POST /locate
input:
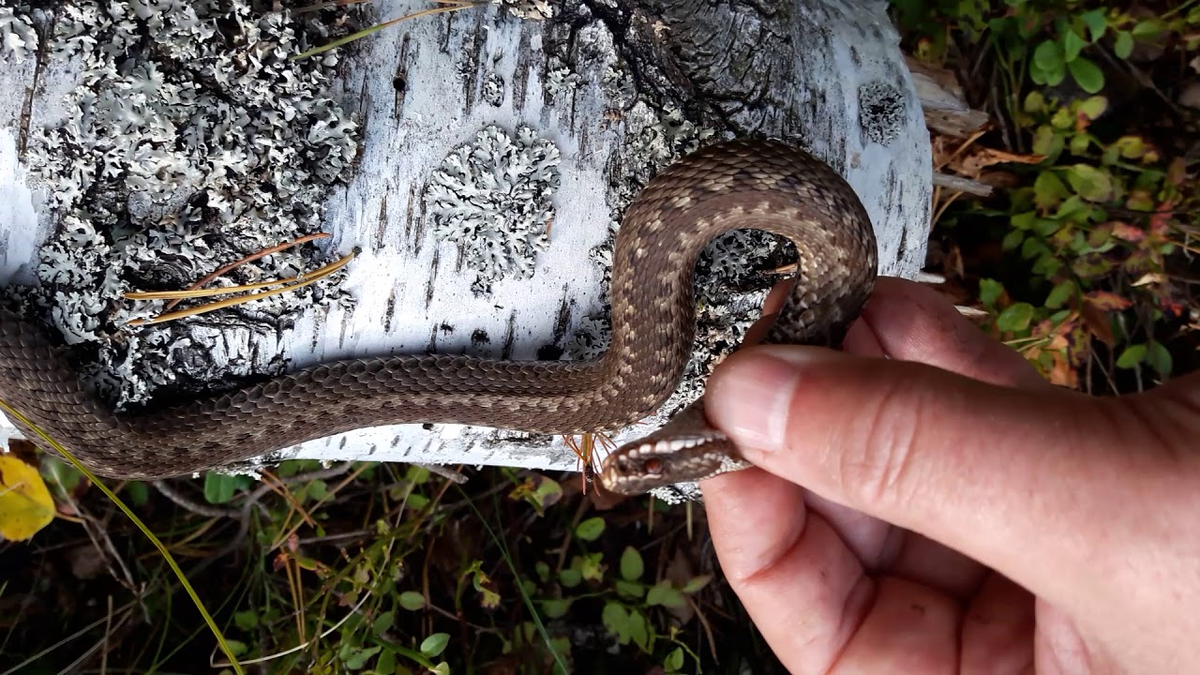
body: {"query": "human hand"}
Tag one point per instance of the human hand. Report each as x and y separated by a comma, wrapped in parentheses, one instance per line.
(961, 516)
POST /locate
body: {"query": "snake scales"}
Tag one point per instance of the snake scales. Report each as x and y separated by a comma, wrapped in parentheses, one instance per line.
(745, 184)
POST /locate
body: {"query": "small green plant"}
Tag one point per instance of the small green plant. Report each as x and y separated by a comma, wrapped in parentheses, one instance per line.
(627, 599)
(1096, 218)
(1096, 227)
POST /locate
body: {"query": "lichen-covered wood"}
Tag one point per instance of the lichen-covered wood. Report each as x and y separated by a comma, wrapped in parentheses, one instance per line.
(447, 113)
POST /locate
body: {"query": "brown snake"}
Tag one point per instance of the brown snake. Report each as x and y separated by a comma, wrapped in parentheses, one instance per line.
(747, 184)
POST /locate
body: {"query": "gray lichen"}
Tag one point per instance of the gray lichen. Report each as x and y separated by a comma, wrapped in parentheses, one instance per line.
(18, 39)
(492, 197)
(882, 111)
(532, 10)
(192, 142)
(492, 91)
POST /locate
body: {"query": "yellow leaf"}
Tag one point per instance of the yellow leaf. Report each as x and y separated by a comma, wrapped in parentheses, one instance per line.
(25, 503)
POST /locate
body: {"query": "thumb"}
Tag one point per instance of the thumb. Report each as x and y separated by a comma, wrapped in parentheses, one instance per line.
(1015, 478)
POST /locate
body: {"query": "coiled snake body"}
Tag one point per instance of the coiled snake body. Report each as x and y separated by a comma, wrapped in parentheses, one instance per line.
(748, 184)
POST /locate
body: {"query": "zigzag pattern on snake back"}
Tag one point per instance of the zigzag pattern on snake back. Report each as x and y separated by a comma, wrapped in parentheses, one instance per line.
(744, 184)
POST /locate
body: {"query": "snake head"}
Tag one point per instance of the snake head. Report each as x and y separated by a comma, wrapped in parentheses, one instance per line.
(686, 450)
(637, 468)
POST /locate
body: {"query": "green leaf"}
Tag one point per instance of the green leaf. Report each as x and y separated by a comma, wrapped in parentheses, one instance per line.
(1089, 182)
(1073, 44)
(219, 488)
(1046, 266)
(1035, 102)
(435, 644)
(555, 608)
(383, 622)
(138, 492)
(1087, 74)
(1016, 317)
(990, 291)
(1049, 78)
(442, 668)
(1060, 295)
(1045, 227)
(1049, 190)
(1133, 355)
(1096, 22)
(674, 661)
(412, 601)
(590, 529)
(639, 630)
(631, 564)
(1148, 29)
(1048, 55)
(1012, 240)
(696, 583)
(616, 619)
(1158, 358)
(1047, 141)
(663, 593)
(1080, 143)
(237, 647)
(417, 474)
(316, 490)
(355, 658)
(528, 586)
(1062, 119)
(1074, 210)
(570, 578)
(1023, 221)
(1093, 107)
(386, 663)
(1033, 248)
(629, 589)
(247, 620)
(1131, 147)
(591, 566)
(1123, 45)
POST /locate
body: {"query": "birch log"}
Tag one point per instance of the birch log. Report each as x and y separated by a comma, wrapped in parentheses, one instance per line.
(494, 150)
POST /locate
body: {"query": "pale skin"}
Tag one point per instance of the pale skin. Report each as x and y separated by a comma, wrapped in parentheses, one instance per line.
(948, 511)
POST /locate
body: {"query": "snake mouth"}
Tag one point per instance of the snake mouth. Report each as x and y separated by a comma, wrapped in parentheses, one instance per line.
(640, 467)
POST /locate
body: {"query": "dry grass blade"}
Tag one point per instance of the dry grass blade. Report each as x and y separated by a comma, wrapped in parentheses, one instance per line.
(447, 6)
(250, 258)
(292, 284)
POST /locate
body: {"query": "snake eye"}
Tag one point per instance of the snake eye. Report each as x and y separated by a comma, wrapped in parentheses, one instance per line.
(653, 466)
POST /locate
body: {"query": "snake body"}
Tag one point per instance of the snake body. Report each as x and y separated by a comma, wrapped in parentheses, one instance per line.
(744, 184)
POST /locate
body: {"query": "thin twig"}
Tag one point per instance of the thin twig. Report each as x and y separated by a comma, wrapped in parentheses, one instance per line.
(164, 488)
(445, 472)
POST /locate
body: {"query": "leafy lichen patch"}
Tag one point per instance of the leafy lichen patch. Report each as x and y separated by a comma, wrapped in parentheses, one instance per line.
(492, 196)
(190, 141)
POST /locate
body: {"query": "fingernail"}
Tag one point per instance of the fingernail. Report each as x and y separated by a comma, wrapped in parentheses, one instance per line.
(751, 397)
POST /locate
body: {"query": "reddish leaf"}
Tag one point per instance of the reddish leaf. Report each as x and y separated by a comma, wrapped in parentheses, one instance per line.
(1128, 232)
(1097, 323)
(1106, 301)
(1160, 223)
(1177, 172)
